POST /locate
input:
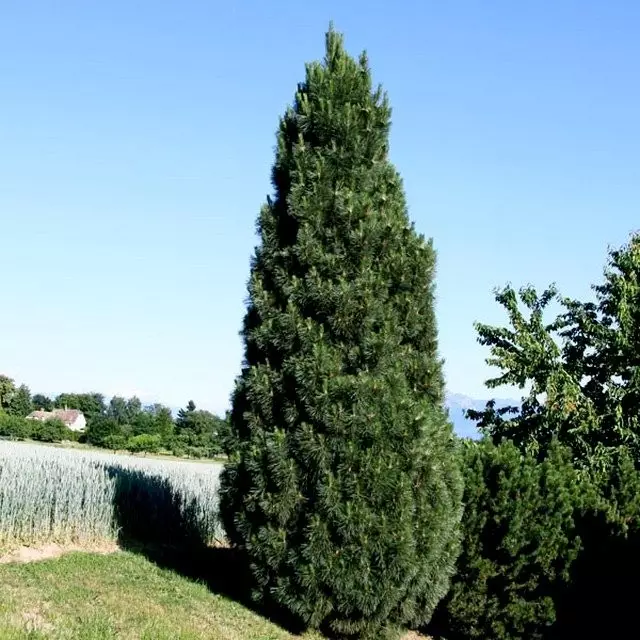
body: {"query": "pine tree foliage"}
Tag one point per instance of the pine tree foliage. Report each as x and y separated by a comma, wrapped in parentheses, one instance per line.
(609, 560)
(520, 541)
(342, 486)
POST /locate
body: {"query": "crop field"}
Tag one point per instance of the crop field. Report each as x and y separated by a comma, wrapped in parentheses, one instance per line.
(85, 497)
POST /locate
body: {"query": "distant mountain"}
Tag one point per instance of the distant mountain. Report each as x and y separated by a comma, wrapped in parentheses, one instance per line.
(458, 404)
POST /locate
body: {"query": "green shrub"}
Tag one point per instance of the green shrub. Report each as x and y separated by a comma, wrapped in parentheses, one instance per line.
(53, 430)
(342, 489)
(71, 436)
(178, 450)
(18, 428)
(115, 442)
(520, 540)
(14, 427)
(101, 429)
(144, 443)
(600, 602)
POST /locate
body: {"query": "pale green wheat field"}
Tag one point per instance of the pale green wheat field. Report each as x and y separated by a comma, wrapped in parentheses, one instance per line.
(80, 497)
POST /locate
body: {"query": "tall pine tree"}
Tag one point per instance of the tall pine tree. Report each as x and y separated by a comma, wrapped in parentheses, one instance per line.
(342, 486)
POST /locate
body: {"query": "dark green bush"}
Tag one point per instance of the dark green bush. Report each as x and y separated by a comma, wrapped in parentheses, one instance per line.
(115, 442)
(20, 428)
(14, 427)
(178, 450)
(197, 452)
(53, 430)
(520, 540)
(601, 601)
(101, 429)
(144, 443)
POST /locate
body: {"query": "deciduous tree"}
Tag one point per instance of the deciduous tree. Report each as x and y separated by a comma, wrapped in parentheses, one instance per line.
(582, 367)
(7, 390)
(41, 402)
(20, 404)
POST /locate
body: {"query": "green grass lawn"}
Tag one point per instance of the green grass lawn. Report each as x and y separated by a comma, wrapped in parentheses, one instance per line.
(122, 595)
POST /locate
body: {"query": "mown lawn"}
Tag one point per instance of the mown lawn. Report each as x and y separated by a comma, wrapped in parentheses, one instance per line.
(87, 596)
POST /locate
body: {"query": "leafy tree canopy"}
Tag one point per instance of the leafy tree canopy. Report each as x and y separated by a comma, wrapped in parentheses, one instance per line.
(21, 404)
(582, 367)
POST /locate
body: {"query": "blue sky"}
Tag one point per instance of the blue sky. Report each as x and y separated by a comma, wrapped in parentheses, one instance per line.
(136, 142)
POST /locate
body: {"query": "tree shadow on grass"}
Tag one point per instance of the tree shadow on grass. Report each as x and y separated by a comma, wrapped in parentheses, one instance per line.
(160, 524)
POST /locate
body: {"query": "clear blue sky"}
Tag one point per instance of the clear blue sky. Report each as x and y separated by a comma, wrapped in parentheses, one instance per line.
(136, 140)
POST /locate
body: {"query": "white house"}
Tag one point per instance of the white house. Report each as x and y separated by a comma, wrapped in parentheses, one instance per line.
(73, 418)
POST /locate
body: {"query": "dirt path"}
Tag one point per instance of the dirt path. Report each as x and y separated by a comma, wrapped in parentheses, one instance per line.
(48, 551)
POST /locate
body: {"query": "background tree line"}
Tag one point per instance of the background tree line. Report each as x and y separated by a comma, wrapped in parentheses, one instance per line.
(119, 424)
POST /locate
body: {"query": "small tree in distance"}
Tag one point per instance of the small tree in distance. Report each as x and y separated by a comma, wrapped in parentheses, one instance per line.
(41, 402)
(21, 404)
(7, 391)
(342, 487)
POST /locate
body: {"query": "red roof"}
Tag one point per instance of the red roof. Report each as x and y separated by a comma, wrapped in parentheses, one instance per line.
(68, 416)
